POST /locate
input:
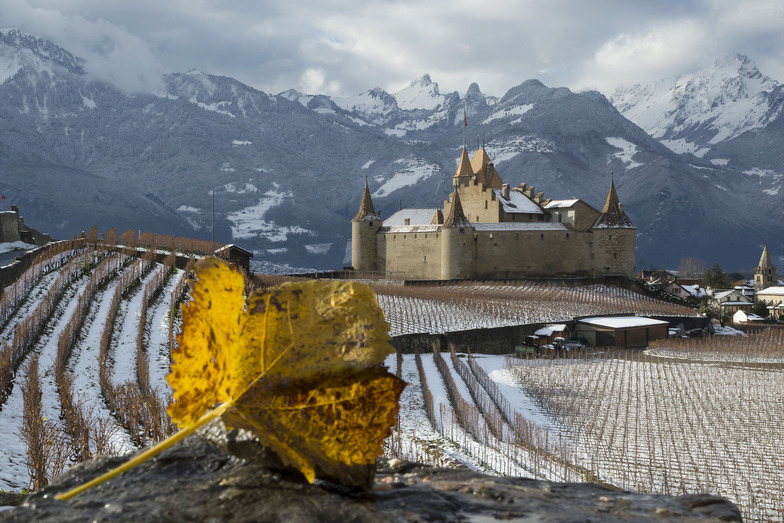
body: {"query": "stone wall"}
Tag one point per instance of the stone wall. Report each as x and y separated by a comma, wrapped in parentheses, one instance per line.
(614, 251)
(9, 226)
(414, 255)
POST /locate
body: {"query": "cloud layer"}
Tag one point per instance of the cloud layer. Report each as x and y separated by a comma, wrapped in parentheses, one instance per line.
(347, 47)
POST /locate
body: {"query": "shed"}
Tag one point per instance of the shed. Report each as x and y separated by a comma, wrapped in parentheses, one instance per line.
(235, 255)
(621, 331)
(550, 332)
(746, 317)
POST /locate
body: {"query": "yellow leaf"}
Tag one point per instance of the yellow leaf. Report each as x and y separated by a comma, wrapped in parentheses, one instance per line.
(301, 367)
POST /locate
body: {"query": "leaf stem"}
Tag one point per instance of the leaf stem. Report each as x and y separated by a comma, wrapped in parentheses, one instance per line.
(149, 453)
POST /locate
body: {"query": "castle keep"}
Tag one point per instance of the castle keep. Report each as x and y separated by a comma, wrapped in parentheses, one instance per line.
(488, 230)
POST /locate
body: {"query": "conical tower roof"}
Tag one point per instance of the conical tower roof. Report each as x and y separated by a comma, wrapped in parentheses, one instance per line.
(765, 260)
(484, 170)
(365, 206)
(464, 167)
(479, 165)
(612, 212)
(456, 217)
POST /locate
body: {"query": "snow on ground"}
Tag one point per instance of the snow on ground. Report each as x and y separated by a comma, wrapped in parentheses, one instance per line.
(123, 352)
(518, 399)
(15, 246)
(412, 170)
(158, 339)
(83, 363)
(36, 293)
(249, 222)
(13, 464)
(318, 248)
(501, 150)
(628, 150)
(514, 111)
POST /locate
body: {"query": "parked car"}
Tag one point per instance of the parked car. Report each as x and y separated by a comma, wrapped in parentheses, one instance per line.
(573, 345)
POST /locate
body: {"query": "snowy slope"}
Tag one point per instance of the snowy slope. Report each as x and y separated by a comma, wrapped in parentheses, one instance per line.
(700, 109)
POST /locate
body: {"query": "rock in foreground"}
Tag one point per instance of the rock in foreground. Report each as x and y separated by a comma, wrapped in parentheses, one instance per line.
(198, 481)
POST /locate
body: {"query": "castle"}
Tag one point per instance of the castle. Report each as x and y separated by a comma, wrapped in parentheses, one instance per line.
(488, 230)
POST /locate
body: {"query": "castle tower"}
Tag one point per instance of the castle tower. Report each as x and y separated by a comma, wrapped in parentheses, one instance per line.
(364, 228)
(614, 238)
(457, 243)
(464, 174)
(765, 274)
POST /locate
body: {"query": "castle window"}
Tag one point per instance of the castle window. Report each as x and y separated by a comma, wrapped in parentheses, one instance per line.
(461, 231)
(485, 204)
(517, 236)
(615, 256)
(567, 234)
(425, 257)
(541, 236)
(541, 217)
(477, 218)
(609, 237)
(491, 235)
(404, 236)
(370, 224)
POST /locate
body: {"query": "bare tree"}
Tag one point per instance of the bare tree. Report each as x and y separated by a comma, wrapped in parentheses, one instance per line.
(691, 267)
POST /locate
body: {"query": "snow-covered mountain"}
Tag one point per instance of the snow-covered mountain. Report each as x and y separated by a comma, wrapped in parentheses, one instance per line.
(724, 113)
(711, 106)
(287, 170)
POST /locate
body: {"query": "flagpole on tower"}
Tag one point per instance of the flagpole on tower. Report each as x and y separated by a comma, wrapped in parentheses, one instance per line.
(465, 125)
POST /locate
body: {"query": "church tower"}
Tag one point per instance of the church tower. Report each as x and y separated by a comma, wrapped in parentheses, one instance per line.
(765, 274)
(364, 228)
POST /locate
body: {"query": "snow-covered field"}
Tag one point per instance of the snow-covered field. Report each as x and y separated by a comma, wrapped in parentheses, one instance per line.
(475, 305)
(83, 363)
(686, 417)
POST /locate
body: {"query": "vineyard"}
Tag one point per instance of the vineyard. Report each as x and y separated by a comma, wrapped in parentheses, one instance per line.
(87, 331)
(686, 416)
(480, 305)
(86, 338)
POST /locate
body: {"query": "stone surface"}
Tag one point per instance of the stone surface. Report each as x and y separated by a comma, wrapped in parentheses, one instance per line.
(203, 479)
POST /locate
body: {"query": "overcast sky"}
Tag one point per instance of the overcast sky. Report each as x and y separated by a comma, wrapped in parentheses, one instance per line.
(345, 47)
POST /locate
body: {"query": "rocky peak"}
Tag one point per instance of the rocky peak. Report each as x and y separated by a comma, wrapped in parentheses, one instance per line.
(41, 48)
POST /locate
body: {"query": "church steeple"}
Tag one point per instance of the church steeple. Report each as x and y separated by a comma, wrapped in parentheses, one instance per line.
(366, 206)
(765, 274)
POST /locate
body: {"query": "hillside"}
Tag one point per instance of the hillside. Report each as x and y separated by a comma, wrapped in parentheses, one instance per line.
(89, 327)
(287, 170)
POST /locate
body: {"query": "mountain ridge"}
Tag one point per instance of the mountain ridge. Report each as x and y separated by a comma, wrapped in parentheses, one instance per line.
(287, 170)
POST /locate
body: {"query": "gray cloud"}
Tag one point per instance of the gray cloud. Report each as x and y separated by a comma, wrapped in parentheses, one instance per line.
(347, 47)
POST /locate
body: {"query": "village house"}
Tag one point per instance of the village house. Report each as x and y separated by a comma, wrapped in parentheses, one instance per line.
(773, 297)
(731, 301)
(489, 230)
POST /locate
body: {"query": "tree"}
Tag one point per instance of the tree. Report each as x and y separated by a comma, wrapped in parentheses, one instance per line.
(691, 267)
(716, 278)
(760, 309)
